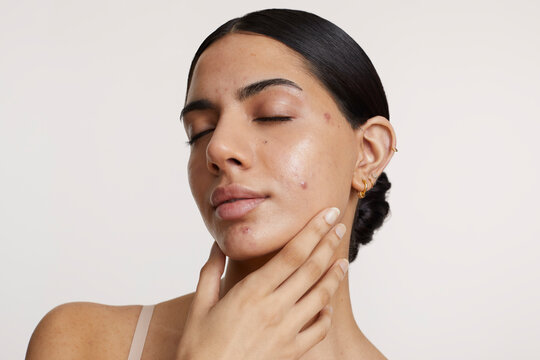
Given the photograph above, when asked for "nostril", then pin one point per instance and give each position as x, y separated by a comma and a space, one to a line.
222, 163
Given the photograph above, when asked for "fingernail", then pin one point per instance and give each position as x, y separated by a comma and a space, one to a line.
340, 230
344, 264
331, 215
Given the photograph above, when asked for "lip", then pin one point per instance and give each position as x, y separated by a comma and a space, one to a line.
234, 201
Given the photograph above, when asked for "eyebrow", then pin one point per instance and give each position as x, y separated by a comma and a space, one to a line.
242, 94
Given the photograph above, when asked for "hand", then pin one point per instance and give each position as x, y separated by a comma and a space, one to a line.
261, 317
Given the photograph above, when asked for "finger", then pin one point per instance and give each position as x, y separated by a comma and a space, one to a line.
315, 333
294, 254
207, 293
311, 271
319, 296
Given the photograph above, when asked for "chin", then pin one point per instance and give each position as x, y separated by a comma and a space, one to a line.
243, 243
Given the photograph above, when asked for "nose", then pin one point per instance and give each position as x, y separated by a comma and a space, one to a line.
229, 148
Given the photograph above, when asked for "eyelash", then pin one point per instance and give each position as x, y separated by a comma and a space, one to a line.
262, 119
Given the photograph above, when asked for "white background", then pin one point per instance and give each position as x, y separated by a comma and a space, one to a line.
95, 204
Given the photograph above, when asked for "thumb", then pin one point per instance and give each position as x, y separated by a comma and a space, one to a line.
207, 293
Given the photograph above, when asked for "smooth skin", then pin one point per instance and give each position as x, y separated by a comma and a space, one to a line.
304, 165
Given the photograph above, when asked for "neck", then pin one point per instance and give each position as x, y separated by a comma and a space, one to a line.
344, 340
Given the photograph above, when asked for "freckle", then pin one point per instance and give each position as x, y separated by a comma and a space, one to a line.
265, 141
303, 184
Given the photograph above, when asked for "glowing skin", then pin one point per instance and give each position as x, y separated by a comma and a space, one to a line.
276, 158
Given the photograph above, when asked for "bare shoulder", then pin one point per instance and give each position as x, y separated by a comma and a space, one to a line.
84, 330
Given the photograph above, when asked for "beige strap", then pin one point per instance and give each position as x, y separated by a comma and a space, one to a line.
139, 337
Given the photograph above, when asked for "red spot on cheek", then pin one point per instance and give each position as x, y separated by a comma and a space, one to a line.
245, 229
303, 184
327, 117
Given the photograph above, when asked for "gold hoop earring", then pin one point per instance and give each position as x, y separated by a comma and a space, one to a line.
362, 194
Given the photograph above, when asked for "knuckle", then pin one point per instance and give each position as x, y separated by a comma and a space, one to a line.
333, 282
243, 298
339, 274
320, 227
327, 323
294, 255
271, 316
245, 302
313, 269
291, 352
333, 240
324, 296
249, 287
322, 331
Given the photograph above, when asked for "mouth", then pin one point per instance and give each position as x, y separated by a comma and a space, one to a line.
234, 201
235, 209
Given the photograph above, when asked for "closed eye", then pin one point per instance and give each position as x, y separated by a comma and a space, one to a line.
196, 136
262, 119
274, 118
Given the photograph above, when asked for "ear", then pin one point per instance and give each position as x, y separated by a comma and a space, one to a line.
375, 140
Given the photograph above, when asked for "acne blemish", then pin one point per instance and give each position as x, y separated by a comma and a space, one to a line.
303, 185
246, 230
328, 118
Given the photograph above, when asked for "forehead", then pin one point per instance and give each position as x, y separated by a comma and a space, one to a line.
241, 58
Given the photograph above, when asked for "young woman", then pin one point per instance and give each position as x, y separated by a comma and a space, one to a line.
288, 126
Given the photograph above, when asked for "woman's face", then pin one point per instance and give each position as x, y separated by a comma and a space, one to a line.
283, 170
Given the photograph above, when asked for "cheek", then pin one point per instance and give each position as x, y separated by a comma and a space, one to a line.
296, 166
313, 173
192, 171
301, 169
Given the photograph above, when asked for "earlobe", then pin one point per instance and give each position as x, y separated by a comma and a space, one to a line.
362, 194
376, 141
